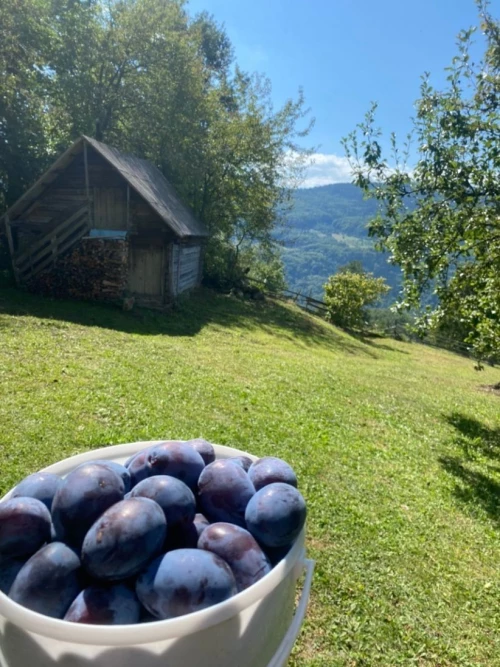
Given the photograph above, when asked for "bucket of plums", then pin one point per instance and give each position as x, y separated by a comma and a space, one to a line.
178, 553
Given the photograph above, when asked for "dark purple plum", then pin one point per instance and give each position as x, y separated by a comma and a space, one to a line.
177, 459
39, 485
120, 470
9, 569
105, 605
269, 470
185, 581
204, 449
139, 467
276, 554
240, 551
49, 581
224, 490
24, 527
129, 460
276, 514
124, 539
244, 461
82, 497
173, 496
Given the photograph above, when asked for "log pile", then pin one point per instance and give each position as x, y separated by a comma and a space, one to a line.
96, 269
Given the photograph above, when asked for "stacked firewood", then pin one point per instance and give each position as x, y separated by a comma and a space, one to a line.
96, 269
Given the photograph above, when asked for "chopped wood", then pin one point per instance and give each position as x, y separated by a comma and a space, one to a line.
95, 269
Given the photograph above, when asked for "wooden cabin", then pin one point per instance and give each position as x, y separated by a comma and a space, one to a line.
100, 224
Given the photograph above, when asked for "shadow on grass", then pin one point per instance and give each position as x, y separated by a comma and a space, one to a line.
475, 487
189, 317
475, 438
372, 339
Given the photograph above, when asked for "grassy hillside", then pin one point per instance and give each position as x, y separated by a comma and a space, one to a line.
327, 228
396, 447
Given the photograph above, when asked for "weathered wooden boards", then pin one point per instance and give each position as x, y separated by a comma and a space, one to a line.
43, 253
146, 270
185, 267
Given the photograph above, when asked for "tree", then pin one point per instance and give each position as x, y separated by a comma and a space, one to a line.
354, 266
152, 80
441, 220
348, 293
25, 38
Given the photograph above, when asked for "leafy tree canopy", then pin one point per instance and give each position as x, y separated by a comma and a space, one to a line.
441, 220
149, 78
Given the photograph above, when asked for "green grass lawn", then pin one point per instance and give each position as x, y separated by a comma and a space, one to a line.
396, 447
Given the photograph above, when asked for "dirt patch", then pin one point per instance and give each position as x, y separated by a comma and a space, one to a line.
491, 388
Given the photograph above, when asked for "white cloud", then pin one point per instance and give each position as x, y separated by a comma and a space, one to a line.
326, 168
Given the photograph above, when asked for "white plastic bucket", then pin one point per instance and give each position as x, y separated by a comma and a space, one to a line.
256, 628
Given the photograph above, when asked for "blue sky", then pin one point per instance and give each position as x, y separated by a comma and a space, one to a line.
345, 54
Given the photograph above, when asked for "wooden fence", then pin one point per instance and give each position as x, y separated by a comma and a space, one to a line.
302, 300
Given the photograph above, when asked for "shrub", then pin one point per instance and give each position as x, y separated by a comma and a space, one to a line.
347, 295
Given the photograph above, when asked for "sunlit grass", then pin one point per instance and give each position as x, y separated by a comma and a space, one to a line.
396, 448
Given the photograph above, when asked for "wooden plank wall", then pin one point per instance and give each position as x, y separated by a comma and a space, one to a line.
187, 270
143, 218
68, 193
173, 288
101, 173
46, 213
146, 270
110, 208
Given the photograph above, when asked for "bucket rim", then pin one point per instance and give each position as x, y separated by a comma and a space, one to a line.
146, 633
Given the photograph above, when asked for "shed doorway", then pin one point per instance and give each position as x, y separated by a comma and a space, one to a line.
147, 271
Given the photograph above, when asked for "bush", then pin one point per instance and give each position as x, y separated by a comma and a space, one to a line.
347, 295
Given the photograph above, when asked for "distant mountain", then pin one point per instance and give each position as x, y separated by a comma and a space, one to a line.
326, 229
339, 207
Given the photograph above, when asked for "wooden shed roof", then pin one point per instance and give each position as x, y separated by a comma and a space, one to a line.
141, 175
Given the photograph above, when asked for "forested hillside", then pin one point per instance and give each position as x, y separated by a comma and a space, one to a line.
327, 229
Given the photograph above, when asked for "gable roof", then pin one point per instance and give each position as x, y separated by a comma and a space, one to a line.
146, 179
